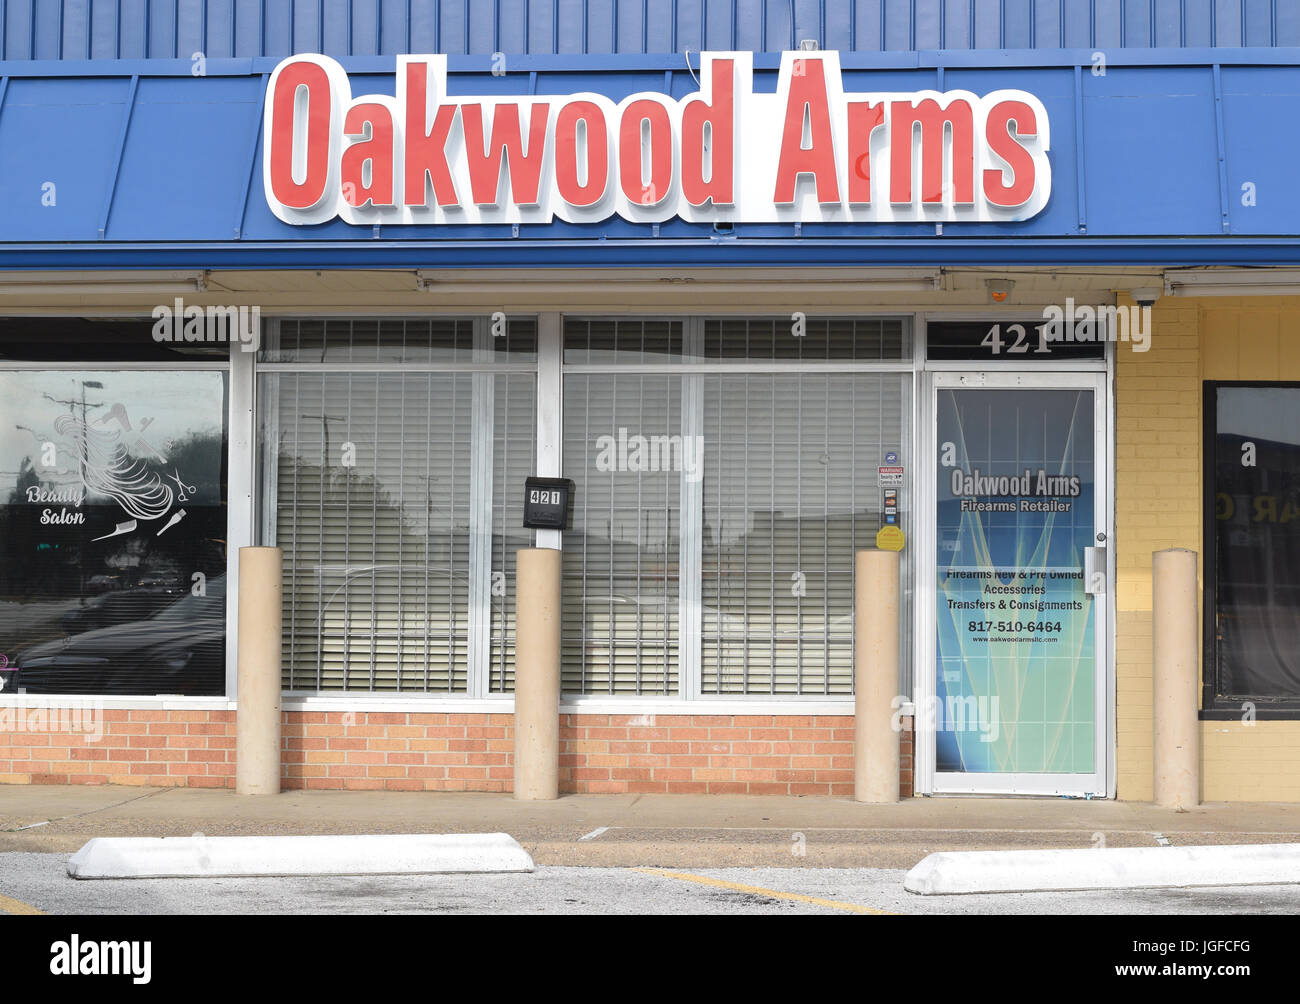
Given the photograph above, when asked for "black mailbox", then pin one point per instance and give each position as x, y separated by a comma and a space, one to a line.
547, 503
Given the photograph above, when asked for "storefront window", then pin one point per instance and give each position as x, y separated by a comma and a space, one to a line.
718, 511
113, 531
790, 491
624, 451
1252, 546
397, 498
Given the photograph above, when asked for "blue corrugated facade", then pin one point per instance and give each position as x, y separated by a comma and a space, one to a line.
1150, 159
163, 29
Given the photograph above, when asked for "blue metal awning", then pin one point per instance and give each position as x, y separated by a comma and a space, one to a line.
1171, 156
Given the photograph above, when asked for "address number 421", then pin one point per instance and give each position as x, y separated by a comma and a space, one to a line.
997, 344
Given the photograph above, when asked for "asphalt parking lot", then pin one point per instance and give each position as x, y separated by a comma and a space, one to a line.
39, 881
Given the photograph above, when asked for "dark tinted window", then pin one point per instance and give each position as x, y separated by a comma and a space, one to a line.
111, 339
1253, 549
113, 531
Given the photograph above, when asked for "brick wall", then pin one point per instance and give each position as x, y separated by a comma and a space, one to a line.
155, 748
714, 754
677, 754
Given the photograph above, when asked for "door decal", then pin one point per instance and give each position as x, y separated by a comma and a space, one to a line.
1016, 668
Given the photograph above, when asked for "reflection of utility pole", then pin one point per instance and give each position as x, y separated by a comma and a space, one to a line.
325, 430
82, 461
36, 436
428, 480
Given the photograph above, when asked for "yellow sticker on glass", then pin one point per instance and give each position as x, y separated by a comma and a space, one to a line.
890, 538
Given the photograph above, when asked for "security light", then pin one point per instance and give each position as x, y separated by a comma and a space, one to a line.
999, 289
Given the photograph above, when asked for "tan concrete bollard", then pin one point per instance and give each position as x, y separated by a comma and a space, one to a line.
257, 719
1177, 752
875, 658
537, 674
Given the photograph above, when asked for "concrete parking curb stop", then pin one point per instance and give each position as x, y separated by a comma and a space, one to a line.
964, 872
230, 857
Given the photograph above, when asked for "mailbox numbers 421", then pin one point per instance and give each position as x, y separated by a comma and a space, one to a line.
540, 496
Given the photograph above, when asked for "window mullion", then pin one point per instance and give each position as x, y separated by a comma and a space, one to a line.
482, 436
691, 518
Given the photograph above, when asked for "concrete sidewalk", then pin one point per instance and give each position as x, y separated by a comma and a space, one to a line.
699, 831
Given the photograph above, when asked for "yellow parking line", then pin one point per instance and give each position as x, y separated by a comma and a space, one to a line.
17, 906
760, 891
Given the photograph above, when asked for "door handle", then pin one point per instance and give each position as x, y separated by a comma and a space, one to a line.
1094, 571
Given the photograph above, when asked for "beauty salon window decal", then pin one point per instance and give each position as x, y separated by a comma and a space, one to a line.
113, 492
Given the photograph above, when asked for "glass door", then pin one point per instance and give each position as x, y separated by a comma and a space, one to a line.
1017, 691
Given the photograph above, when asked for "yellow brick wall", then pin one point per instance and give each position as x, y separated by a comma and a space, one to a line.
1158, 505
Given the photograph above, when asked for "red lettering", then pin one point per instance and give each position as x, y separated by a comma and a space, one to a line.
719, 114
426, 147
864, 119
633, 182
378, 150
284, 131
1004, 143
572, 191
807, 99
933, 121
485, 166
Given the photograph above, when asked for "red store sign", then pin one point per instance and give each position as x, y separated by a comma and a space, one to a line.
810, 152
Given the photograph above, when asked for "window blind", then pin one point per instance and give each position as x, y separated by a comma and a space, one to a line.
619, 630
805, 339
397, 340
791, 490
376, 554
746, 562
397, 500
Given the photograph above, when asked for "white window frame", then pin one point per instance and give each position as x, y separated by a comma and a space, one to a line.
690, 697
478, 695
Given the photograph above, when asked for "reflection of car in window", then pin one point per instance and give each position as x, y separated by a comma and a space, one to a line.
179, 649
120, 607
